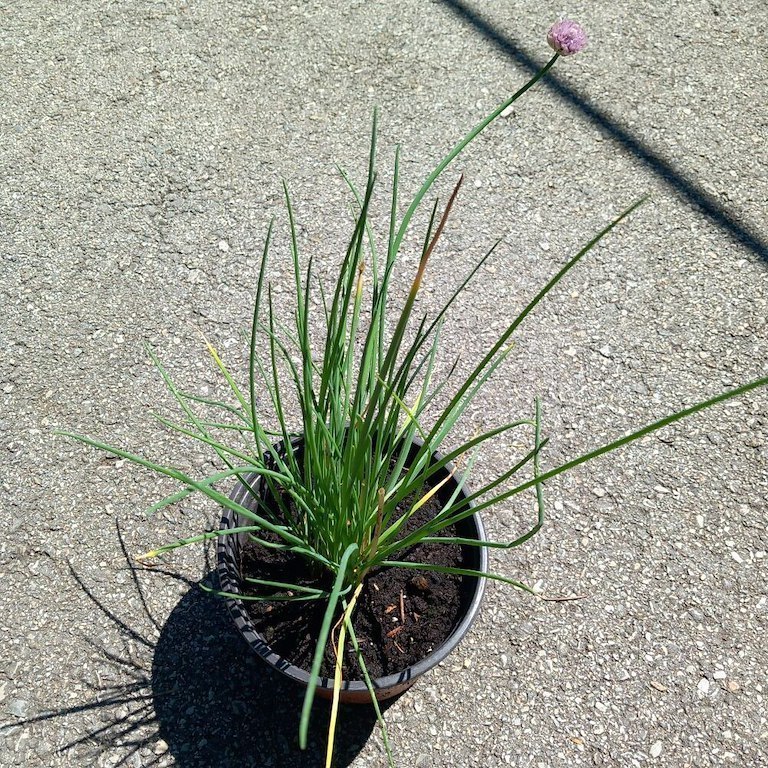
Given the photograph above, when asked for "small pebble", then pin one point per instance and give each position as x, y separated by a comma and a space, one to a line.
703, 686
599, 492
720, 675
18, 707
656, 749
160, 747
223, 246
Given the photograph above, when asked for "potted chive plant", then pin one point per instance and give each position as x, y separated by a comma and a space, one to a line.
327, 506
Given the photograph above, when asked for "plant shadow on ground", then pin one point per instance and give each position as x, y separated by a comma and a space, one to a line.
217, 705
195, 685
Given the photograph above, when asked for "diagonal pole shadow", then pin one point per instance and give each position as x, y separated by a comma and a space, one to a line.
653, 160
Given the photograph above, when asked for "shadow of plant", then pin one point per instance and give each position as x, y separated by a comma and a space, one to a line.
194, 693
217, 705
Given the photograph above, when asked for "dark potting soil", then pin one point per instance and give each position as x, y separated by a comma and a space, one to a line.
401, 616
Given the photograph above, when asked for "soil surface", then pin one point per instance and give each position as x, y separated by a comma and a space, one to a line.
402, 615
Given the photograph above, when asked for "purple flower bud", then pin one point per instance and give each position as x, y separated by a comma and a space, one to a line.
567, 37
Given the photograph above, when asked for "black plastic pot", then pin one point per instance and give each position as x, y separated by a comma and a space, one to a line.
353, 691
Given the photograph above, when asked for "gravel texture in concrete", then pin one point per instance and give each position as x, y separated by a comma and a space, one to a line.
143, 147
